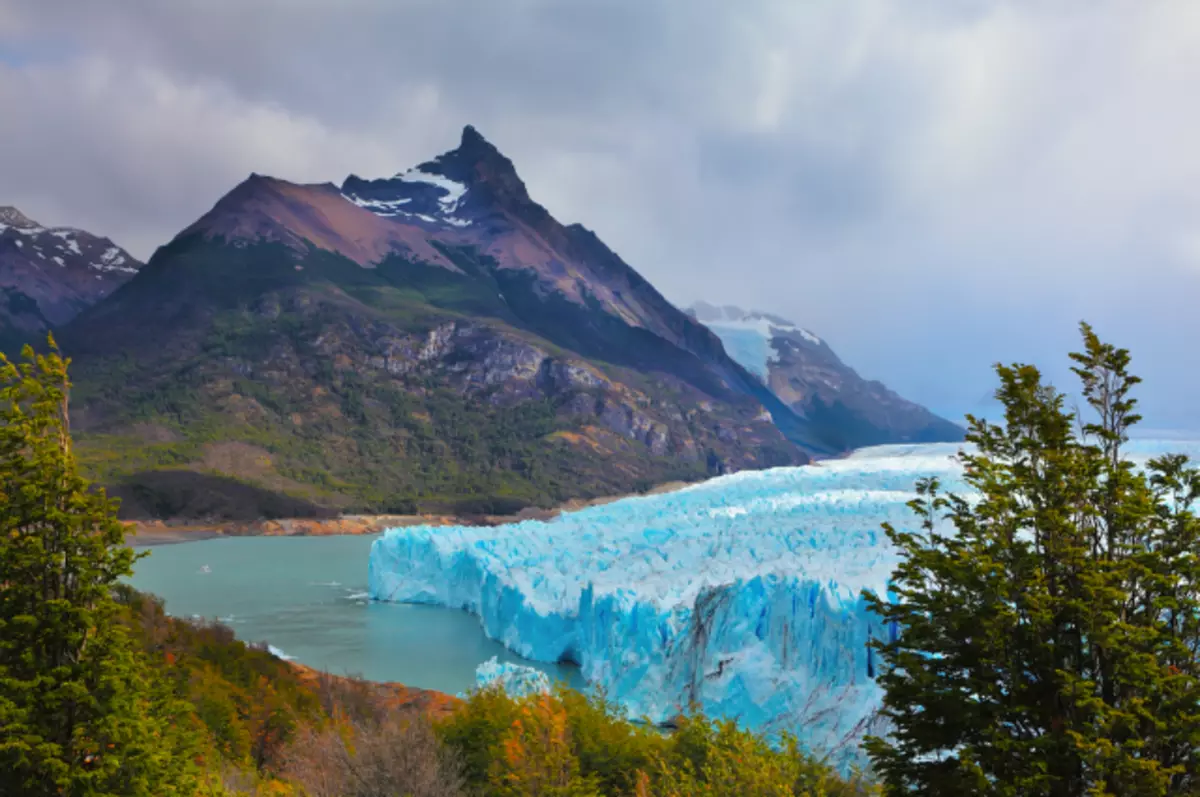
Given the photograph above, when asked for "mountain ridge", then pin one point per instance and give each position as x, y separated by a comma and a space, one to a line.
430, 340
50, 274
804, 372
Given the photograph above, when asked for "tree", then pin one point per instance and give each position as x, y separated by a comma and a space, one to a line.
80, 711
1048, 644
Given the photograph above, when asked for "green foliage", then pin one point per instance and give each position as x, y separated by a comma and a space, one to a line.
1048, 645
710, 759
249, 701
368, 441
80, 709
567, 744
253, 345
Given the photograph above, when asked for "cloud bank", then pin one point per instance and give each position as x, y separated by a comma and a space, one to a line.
932, 186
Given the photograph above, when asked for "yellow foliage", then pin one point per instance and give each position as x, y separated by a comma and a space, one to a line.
536, 757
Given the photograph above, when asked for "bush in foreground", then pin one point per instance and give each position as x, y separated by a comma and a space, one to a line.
566, 744
1048, 643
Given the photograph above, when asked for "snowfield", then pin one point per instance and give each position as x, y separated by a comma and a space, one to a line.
741, 594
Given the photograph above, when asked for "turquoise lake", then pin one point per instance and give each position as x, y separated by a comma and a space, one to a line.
306, 597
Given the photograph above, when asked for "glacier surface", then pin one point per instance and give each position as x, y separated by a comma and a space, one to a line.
741, 594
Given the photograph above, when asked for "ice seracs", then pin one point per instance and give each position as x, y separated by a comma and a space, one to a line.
742, 594
516, 679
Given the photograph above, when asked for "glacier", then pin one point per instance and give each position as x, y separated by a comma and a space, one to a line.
516, 679
741, 595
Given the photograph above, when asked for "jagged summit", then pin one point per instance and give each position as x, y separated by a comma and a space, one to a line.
473, 142
456, 189
11, 217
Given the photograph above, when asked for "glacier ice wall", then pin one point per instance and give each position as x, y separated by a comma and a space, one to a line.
741, 594
517, 679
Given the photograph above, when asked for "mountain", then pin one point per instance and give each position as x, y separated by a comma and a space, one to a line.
434, 339
49, 274
805, 373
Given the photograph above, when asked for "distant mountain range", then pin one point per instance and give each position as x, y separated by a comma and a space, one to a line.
433, 340
49, 274
805, 373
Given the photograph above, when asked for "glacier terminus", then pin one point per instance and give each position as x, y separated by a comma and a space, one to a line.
741, 595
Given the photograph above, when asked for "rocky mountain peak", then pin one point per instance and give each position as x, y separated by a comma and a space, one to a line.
50, 274
472, 141
452, 190
11, 217
488, 165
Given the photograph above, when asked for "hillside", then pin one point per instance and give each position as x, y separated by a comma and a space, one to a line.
805, 373
434, 341
49, 274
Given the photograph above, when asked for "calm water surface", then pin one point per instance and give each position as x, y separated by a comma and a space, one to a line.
306, 596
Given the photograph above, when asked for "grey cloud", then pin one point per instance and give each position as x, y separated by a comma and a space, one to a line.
932, 186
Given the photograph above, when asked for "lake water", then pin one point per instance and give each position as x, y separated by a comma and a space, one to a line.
306, 596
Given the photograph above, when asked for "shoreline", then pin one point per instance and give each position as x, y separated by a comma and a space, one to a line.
396, 696
150, 533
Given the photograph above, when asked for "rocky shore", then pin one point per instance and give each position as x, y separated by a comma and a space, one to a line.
162, 532
396, 696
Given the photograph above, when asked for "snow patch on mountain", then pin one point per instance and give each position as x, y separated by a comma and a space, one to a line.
750, 340
69, 247
113, 260
381, 207
446, 204
454, 191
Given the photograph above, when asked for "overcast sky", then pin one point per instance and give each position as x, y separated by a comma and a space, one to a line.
932, 185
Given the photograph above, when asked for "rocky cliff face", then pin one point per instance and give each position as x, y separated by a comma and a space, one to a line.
433, 340
805, 373
49, 274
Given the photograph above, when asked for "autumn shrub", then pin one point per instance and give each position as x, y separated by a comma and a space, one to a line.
475, 732
537, 755
567, 744
718, 759
609, 746
401, 756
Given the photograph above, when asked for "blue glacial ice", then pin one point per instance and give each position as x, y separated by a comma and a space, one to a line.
741, 594
516, 679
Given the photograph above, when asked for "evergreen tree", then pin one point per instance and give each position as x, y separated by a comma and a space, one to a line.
1047, 644
80, 711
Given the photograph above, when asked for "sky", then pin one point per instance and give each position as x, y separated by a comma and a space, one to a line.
931, 185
